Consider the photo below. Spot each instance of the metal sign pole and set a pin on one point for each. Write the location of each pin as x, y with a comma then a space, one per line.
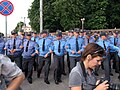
41, 15
5, 28
5, 32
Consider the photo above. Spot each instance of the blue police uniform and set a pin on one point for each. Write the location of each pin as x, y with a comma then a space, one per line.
35, 39
28, 55
72, 46
14, 44
114, 54
90, 40
44, 45
59, 51
106, 45
68, 60
118, 44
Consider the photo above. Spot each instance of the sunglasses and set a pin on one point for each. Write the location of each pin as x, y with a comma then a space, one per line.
100, 53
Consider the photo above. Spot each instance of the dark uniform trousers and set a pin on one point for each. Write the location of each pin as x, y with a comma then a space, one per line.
106, 65
35, 65
17, 60
73, 61
68, 62
58, 67
46, 63
114, 56
28, 67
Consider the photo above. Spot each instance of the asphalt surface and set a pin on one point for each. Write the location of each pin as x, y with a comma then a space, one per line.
38, 83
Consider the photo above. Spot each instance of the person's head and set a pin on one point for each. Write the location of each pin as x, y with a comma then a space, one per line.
28, 36
103, 35
93, 55
82, 33
76, 32
115, 34
44, 33
20, 32
34, 34
88, 35
59, 35
14, 34
71, 33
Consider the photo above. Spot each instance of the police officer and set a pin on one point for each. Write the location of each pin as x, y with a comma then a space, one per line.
113, 53
88, 38
20, 33
28, 57
13, 49
118, 45
35, 38
59, 51
10, 73
103, 42
70, 35
75, 47
44, 55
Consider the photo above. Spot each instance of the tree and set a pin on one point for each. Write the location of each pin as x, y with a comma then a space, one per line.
67, 14
19, 26
34, 16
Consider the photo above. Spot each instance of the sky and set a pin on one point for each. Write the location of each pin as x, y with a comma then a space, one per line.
20, 10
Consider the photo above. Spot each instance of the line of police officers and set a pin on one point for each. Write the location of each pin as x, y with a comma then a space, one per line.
28, 52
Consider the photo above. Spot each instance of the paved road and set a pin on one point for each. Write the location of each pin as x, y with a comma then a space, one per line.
38, 84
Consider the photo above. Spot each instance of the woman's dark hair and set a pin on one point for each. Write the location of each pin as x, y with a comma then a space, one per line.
94, 50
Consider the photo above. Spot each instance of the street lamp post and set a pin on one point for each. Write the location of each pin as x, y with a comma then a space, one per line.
24, 22
41, 15
82, 19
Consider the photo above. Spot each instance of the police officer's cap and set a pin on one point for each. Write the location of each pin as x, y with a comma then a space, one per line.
28, 34
21, 30
34, 32
71, 31
116, 32
77, 30
13, 32
58, 30
82, 31
89, 33
58, 34
44, 32
103, 34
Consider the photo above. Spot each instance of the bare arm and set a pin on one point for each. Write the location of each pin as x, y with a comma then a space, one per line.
16, 82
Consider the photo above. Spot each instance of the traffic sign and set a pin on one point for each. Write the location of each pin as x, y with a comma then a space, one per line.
6, 7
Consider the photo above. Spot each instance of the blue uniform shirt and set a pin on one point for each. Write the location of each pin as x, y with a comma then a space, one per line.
48, 46
113, 40
91, 40
9, 46
32, 46
118, 45
71, 44
56, 46
35, 39
108, 45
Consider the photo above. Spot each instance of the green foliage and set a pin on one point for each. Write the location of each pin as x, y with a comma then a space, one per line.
19, 26
67, 14
34, 16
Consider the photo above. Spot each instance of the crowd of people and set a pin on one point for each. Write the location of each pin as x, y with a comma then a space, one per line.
33, 51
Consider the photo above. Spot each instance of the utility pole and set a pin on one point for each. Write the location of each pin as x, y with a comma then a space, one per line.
41, 15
